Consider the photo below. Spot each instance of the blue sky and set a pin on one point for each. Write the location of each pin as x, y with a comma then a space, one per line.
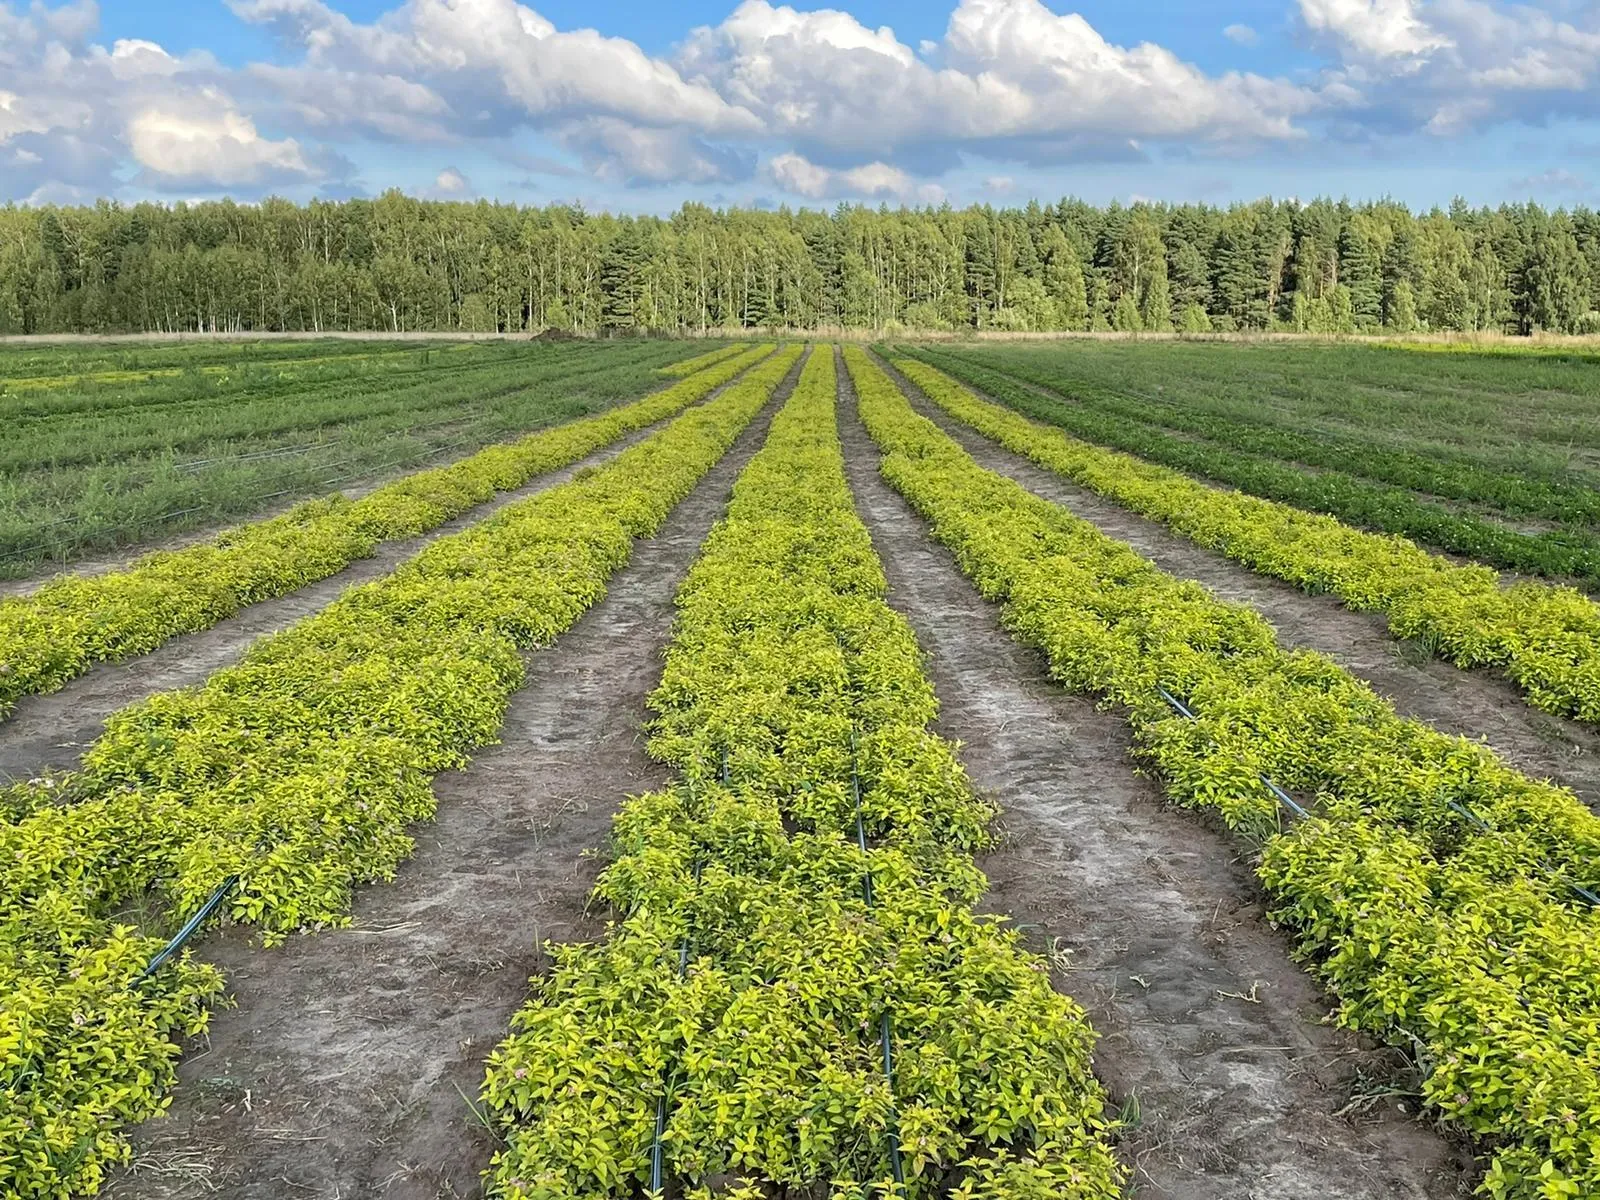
641, 106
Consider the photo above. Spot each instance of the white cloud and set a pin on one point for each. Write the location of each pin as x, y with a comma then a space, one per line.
452, 183
211, 145
999, 184
75, 118
498, 59
1452, 67
1242, 34
1381, 28
874, 181
1013, 71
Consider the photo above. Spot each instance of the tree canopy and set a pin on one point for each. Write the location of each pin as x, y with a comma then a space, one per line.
397, 263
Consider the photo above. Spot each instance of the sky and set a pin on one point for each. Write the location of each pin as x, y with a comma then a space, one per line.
642, 105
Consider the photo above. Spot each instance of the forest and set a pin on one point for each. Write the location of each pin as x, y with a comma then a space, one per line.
397, 264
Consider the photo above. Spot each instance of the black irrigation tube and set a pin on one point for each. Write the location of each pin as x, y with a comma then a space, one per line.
191, 927
1282, 796
885, 1029
685, 952
1588, 896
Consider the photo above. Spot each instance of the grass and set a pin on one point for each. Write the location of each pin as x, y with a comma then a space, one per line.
118, 446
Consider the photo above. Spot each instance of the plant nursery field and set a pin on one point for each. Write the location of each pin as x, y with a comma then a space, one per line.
774, 769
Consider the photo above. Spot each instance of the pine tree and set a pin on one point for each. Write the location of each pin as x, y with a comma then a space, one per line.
1361, 271
1556, 295
1400, 310
1099, 305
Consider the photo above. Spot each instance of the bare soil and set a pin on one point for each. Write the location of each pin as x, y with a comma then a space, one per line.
352, 1064
1482, 705
48, 734
1212, 1040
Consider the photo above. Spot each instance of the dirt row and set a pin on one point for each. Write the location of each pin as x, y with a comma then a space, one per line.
352, 1063
1476, 704
49, 733
1212, 1040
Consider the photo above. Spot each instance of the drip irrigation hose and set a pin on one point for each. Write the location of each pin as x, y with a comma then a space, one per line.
1586, 894
1278, 793
190, 927
885, 1028
685, 952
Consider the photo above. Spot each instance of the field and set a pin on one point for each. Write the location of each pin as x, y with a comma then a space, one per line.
777, 769
126, 445
1492, 456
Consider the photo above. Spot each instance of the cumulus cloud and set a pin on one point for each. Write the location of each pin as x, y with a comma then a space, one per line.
500, 59
211, 145
76, 118
1380, 28
815, 102
873, 181
1010, 71
1453, 67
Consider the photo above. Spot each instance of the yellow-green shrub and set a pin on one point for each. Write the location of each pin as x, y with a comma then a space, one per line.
747, 977
1432, 887
1546, 638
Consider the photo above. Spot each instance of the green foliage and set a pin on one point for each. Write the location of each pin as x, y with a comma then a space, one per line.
1547, 639
1431, 889
1262, 459
110, 447
397, 264
300, 769
1194, 320
787, 666
76, 621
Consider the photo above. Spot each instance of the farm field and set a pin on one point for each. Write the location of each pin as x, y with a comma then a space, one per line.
1493, 456
783, 769
128, 444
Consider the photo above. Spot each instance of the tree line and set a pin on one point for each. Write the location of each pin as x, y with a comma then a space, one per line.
401, 264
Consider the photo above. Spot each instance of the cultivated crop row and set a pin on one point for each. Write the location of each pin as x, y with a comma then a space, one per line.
1243, 457
297, 771
796, 996
1257, 428
1546, 638
108, 465
1446, 899
76, 621
701, 361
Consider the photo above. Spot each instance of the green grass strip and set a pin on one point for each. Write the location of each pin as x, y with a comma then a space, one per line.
701, 361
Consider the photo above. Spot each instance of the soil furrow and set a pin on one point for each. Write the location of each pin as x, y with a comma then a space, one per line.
1211, 1038
1476, 704
352, 1065
49, 733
